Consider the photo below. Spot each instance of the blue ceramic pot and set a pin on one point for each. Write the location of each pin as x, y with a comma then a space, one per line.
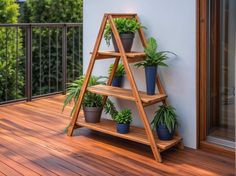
163, 132
117, 81
151, 72
122, 128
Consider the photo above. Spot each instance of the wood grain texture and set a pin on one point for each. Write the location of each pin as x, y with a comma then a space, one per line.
134, 89
33, 142
126, 94
132, 57
136, 134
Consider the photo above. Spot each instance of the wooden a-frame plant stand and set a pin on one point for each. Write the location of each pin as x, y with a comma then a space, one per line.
140, 135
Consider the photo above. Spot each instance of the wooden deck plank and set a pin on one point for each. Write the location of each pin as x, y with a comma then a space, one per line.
23, 133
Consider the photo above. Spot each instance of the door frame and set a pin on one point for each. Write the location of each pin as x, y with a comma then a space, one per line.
201, 77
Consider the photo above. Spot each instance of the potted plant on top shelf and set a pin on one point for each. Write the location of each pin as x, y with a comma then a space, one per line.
92, 103
165, 122
126, 28
118, 77
153, 59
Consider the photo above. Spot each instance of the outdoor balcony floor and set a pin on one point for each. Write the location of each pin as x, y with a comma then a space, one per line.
33, 142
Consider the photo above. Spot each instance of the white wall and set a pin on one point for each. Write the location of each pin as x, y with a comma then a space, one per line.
173, 24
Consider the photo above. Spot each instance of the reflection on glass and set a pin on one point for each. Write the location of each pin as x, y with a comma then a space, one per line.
221, 74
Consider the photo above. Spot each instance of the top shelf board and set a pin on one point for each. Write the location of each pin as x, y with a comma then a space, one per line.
131, 56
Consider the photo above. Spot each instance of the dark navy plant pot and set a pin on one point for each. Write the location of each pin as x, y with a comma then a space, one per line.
117, 81
163, 133
122, 128
151, 72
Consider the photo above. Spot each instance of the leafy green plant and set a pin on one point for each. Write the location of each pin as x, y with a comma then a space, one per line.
124, 116
166, 116
153, 57
90, 99
120, 70
123, 25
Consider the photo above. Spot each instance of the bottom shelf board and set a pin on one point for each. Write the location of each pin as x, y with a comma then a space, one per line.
136, 134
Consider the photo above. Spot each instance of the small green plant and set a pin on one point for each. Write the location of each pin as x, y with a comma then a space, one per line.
153, 57
123, 117
90, 99
120, 70
123, 25
166, 116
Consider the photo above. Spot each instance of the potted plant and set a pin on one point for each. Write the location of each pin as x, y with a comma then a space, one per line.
118, 77
126, 28
153, 59
123, 120
165, 122
92, 103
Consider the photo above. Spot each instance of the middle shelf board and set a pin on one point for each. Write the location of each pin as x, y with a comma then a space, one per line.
136, 134
131, 56
126, 94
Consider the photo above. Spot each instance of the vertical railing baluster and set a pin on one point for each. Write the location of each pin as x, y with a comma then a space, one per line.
79, 52
73, 53
57, 58
6, 66
29, 64
17, 60
64, 58
40, 61
49, 60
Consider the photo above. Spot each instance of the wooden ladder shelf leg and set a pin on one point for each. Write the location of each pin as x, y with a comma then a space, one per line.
139, 104
87, 77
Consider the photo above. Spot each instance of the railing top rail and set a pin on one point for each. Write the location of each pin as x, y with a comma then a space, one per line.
41, 25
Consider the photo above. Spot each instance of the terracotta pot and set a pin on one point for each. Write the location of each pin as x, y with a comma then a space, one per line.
92, 114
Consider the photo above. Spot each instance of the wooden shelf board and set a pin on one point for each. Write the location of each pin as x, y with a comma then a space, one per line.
131, 56
126, 94
136, 134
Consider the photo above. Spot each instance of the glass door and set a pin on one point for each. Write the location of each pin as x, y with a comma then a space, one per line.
221, 58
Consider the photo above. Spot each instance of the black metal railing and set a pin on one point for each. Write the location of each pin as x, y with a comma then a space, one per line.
38, 59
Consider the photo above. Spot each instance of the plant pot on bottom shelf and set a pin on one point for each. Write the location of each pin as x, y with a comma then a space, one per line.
126, 40
163, 132
92, 114
150, 73
123, 120
165, 122
122, 128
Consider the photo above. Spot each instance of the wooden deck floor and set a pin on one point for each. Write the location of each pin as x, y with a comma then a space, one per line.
32, 142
